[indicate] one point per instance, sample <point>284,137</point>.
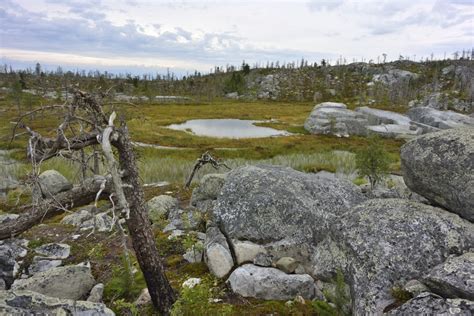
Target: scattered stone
<point>11,250</point>
<point>15,302</point>
<point>270,283</point>
<point>195,254</point>
<point>54,251</point>
<point>287,264</point>
<point>246,251</point>
<point>96,293</point>
<point>440,167</point>
<point>454,278</point>
<point>144,298</point>
<point>217,253</point>
<point>52,182</point>
<point>191,282</point>
<point>432,304</point>
<point>70,282</point>
<point>41,265</point>
<point>160,206</point>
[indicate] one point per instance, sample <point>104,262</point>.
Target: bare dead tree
<point>86,124</point>
<point>205,158</point>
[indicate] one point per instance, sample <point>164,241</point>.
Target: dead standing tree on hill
<point>85,124</point>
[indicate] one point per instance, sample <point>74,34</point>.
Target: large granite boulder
<point>432,304</point>
<point>33,303</point>
<point>70,282</point>
<point>270,284</point>
<point>439,119</point>
<point>52,182</point>
<point>335,119</point>
<point>440,167</point>
<point>384,242</point>
<point>286,211</point>
<point>454,278</point>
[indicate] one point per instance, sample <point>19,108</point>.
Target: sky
<point>145,36</point>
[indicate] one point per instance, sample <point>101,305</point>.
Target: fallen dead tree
<point>85,124</point>
<point>31,215</point>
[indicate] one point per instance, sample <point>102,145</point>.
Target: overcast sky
<point>149,36</point>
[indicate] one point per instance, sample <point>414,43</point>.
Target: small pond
<point>227,128</point>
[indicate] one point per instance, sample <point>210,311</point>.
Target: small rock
<point>300,300</point>
<point>176,233</point>
<point>96,293</point>
<point>287,264</point>
<point>54,251</point>
<point>195,254</point>
<point>144,298</point>
<point>5,218</point>
<point>217,253</point>
<point>300,269</point>
<point>415,287</point>
<point>191,282</point>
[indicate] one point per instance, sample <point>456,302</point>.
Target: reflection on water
<point>227,128</point>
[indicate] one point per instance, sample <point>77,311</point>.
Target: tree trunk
<point>32,215</point>
<point>140,230</point>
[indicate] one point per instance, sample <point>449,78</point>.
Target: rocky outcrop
<point>270,283</point>
<point>381,242</point>
<point>28,302</point>
<point>206,193</point>
<point>286,211</point>
<point>454,278</point>
<point>395,76</point>
<point>432,304</point>
<point>335,119</point>
<point>433,120</point>
<point>160,206</point>
<point>52,182</point>
<point>443,101</point>
<point>70,282</point>
<point>440,167</point>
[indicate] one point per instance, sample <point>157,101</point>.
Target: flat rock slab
<point>54,251</point>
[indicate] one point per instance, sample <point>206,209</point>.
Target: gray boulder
<point>40,265</point>
<point>218,255</point>
<point>96,293</point>
<point>70,282</point>
<point>32,303</point>
<point>5,218</point>
<point>335,119</point>
<point>160,206</point>
<point>454,278</point>
<point>432,304</point>
<point>54,251</point>
<point>396,131</point>
<point>206,193</point>
<point>11,252</point>
<point>287,264</point>
<point>440,167</point>
<point>439,119</point>
<point>377,117</point>
<point>184,220</point>
<point>270,283</point>
<point>382,242</point>
<point>284,210</point>
<point>52,182</point>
